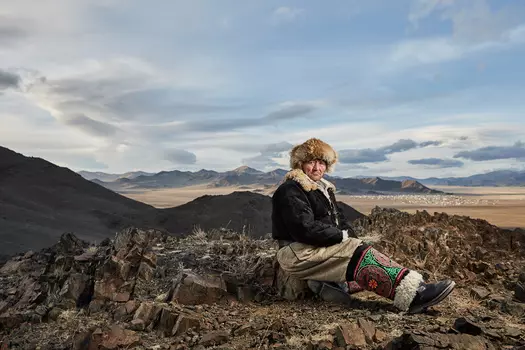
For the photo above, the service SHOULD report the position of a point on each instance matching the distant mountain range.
(493, 178)
(246, 176)
(89, 175)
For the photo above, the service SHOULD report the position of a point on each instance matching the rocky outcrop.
(144, 289)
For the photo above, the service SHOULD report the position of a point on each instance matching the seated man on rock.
(317, 243)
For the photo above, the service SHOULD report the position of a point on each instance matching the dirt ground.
(501, 206)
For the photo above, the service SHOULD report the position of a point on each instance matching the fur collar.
(306, 183)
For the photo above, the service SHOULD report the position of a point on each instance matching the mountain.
(241, 211)
(493, 178)
(98, 175)
(246, 176)
(39, 201)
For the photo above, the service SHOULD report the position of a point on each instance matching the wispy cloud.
(288, 14)
(517, 151)
(180, 156)
(268, 153)
(8, 80)
(476, 28)
(369, 155)
(90, 126)
(437, 162)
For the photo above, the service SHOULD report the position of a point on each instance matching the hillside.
(39, 201)
(241, 211)
(220, 290)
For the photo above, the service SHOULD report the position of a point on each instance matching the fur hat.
(313, 149)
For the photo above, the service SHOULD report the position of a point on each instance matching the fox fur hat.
(313, 149)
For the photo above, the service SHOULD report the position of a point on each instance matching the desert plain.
(500, 206)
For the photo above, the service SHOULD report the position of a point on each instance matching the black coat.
(306, 216)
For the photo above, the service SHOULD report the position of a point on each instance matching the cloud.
(10, 34)
(274, 149)
(516, 151)
(420, 9)
(399, 146)
(475, 26)
(8, 80)
(91, 126)
(180, 156)
(286, 111)
(267, 153)
(369, 155)
(437, 162)
(260, 161)
(430, 143)
(288, 14)
(290, 112)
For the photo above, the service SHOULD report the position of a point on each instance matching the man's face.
(315, 169)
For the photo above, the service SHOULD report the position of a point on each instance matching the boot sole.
(436, 300)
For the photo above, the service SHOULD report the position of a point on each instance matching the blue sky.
(420, 87)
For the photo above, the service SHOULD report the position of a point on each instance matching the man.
(317, 242)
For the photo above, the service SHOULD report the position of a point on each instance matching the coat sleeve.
(344, 224)
(296, 213)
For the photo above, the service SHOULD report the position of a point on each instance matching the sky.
(399, 88)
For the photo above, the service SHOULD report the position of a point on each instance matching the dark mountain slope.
(39, 201)
(241, 211)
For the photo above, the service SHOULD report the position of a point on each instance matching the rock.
(130, 258)
(324, 345)
(193, 290)
(380, 336)
(120, 313)
(521, 277)
(54, 313)
(119, 337)
(10, 319)
(77, 289)
(148, 312)
(137, 324)
(131, 306)
(4, 305)
(214, 338)
(11, 267)
(244, 329)
(350, 334)
(465, 325)
(161, 298)
(513, 308)
(186, 322)
(513, 332)
(410, 340)
(519, 292)
(368, 329)
(479, 292)
(167, 321)
(95, 306)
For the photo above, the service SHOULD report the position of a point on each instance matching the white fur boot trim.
(406, 291)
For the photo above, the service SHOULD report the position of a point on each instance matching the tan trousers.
(318, 263)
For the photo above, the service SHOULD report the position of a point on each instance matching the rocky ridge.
(217, 289)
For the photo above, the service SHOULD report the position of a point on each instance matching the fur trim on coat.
(306, 183)
(313, 149)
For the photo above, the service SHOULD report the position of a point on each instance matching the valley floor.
(501, 206)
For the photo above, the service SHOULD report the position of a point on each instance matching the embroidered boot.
(376, 272)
